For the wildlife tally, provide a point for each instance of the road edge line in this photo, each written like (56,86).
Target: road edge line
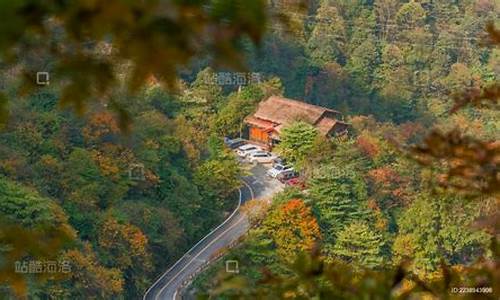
(200,241)
(213,241)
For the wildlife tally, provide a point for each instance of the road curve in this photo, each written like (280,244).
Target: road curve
(167,285)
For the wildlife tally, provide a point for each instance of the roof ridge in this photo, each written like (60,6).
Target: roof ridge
(314,106)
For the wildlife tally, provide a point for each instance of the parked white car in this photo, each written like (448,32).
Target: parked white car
(261,157)
(278,169)
(245,150)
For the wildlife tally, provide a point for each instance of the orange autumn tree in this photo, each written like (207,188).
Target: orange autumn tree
(91,278)
(125,243)
(368,145)
(102,127)
(293,228)
(389,187)
(255,210)
(125,247)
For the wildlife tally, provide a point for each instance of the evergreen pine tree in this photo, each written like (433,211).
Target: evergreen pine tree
(361,65)
(357,243)
(328,38)
(338,197)
(297,142)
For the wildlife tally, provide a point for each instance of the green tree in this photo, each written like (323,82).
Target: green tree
(394,81)
(297,141)
(410,15)
(217,179)
(204,90)
(31,227)
(362,29)
(177,193)
(229,120)
(328,38)
(166,236)
(385,11)
(48,172)
(437,227)
(337,194)
(81,173)
(359,244)
(28,208)
(361,65)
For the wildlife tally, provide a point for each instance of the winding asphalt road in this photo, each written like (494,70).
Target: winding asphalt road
(256,186)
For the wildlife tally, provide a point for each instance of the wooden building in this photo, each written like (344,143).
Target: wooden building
(275,113)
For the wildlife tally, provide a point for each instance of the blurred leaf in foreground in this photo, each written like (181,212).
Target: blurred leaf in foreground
(87,46)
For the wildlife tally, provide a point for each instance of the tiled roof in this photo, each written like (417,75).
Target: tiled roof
(325,125)
(285,111)
(264,124)
(278,112)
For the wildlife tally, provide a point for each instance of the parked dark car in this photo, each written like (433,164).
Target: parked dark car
(279,161)
(234,143)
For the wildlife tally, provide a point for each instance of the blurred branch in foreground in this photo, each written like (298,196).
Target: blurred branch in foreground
(312,278)
(471,165)
(487,96)
(26,246)
(466,163)
(89,47)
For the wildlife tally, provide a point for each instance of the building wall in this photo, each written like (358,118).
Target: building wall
(258,135)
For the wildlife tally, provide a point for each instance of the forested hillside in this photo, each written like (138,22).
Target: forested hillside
(397,60)
(129,204)
(119,181)
(396,69)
